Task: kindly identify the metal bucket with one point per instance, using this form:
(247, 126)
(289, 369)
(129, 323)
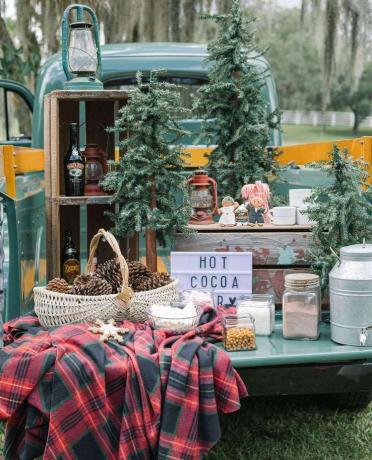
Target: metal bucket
(350, 286)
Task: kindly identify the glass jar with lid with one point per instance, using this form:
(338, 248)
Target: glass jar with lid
(198, 297)
(262, 308)
(239, 332)
(301, 306)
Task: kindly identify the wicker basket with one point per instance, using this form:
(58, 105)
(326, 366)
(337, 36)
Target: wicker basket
(136, 310)
(56, 309)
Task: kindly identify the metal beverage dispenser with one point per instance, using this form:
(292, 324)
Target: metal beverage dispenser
(350, 286)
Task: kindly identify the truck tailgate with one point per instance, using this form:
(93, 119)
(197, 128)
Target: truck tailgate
(297, 367)
(277, 351)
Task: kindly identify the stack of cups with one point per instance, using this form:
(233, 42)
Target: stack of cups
(283, 215)
(297, 199)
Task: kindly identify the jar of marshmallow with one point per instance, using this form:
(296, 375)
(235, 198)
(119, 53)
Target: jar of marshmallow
(198, 297)
(177, 316)
(262, 308)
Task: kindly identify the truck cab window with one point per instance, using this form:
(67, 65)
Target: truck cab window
(3, 135)
(18, 115)
(190, 85)
(15, 116)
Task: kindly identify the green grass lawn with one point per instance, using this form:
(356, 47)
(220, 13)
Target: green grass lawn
(301, 134)
(293, 428)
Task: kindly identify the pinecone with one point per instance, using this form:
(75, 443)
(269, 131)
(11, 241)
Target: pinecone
(137, 274)
(110, 271)
(98, 285)
(79, 284)
(154, 281)
(58, 285)
(91, 284)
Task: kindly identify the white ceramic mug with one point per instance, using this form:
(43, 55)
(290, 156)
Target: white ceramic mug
(297, 197)
(302, 217)
(283, 215)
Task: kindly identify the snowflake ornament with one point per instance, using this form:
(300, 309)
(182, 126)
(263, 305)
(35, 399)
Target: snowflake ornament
(109, 331)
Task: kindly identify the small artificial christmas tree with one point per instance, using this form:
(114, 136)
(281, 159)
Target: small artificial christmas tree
(342, 211)
(149, 176)
(236, 114)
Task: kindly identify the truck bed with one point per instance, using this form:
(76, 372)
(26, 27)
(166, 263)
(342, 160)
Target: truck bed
(298, 367)
(276, 351)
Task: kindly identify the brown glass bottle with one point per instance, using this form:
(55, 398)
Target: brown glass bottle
(70, 260)
(74, 165)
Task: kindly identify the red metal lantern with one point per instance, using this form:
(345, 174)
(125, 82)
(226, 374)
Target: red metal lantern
(95, 168)
(203, 202)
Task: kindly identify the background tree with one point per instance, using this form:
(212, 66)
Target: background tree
(292, 54)
(12, 65)
(36, 25)
(233, 100)
(342, 34)
(309, 47)
(145, 186)
(342, 211)
(358, 99)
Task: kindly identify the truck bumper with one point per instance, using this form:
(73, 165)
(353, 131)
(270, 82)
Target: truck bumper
(344, 377)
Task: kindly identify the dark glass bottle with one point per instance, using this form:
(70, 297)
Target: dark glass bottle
(74, 165)
(70, 260)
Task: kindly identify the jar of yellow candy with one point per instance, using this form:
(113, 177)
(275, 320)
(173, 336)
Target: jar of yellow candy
(239, 332)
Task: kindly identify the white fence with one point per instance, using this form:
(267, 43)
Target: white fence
(316, 118)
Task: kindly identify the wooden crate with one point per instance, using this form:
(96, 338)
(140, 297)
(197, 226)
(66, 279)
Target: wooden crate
(94, 111)
(275, 250)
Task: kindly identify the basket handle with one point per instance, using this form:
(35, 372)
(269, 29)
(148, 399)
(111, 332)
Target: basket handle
(126, 291)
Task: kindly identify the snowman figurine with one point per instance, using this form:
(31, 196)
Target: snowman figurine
(241, 215)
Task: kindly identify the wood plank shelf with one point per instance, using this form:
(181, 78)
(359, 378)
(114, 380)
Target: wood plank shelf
(266, 227)
(276, 250)
(269, 249)
(81, 200)
(106, 94)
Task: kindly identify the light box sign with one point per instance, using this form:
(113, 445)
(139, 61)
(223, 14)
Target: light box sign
(227, 274)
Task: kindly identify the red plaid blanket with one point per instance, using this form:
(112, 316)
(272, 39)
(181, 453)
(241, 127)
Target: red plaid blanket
(66, 395)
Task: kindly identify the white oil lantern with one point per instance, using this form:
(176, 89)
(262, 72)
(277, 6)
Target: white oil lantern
(81, 54)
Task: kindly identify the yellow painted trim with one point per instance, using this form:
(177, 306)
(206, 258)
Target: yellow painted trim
(161, 265)
(300, 154)
(360, 147)
(19, 160)
(306, 153)
(9, 167)
(160, 262)
(29, 160)
(366, 147)
(195, 157)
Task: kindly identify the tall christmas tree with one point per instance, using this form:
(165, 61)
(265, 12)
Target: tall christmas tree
(342, 211)
(149, 176)
(236, 115)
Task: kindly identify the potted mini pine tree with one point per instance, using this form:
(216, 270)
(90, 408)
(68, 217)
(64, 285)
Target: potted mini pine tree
(342, 211)
(148, 178)
(236, 116)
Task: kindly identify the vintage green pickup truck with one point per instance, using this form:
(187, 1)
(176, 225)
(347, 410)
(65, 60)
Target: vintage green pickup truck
(277, 366)
(22, 126)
